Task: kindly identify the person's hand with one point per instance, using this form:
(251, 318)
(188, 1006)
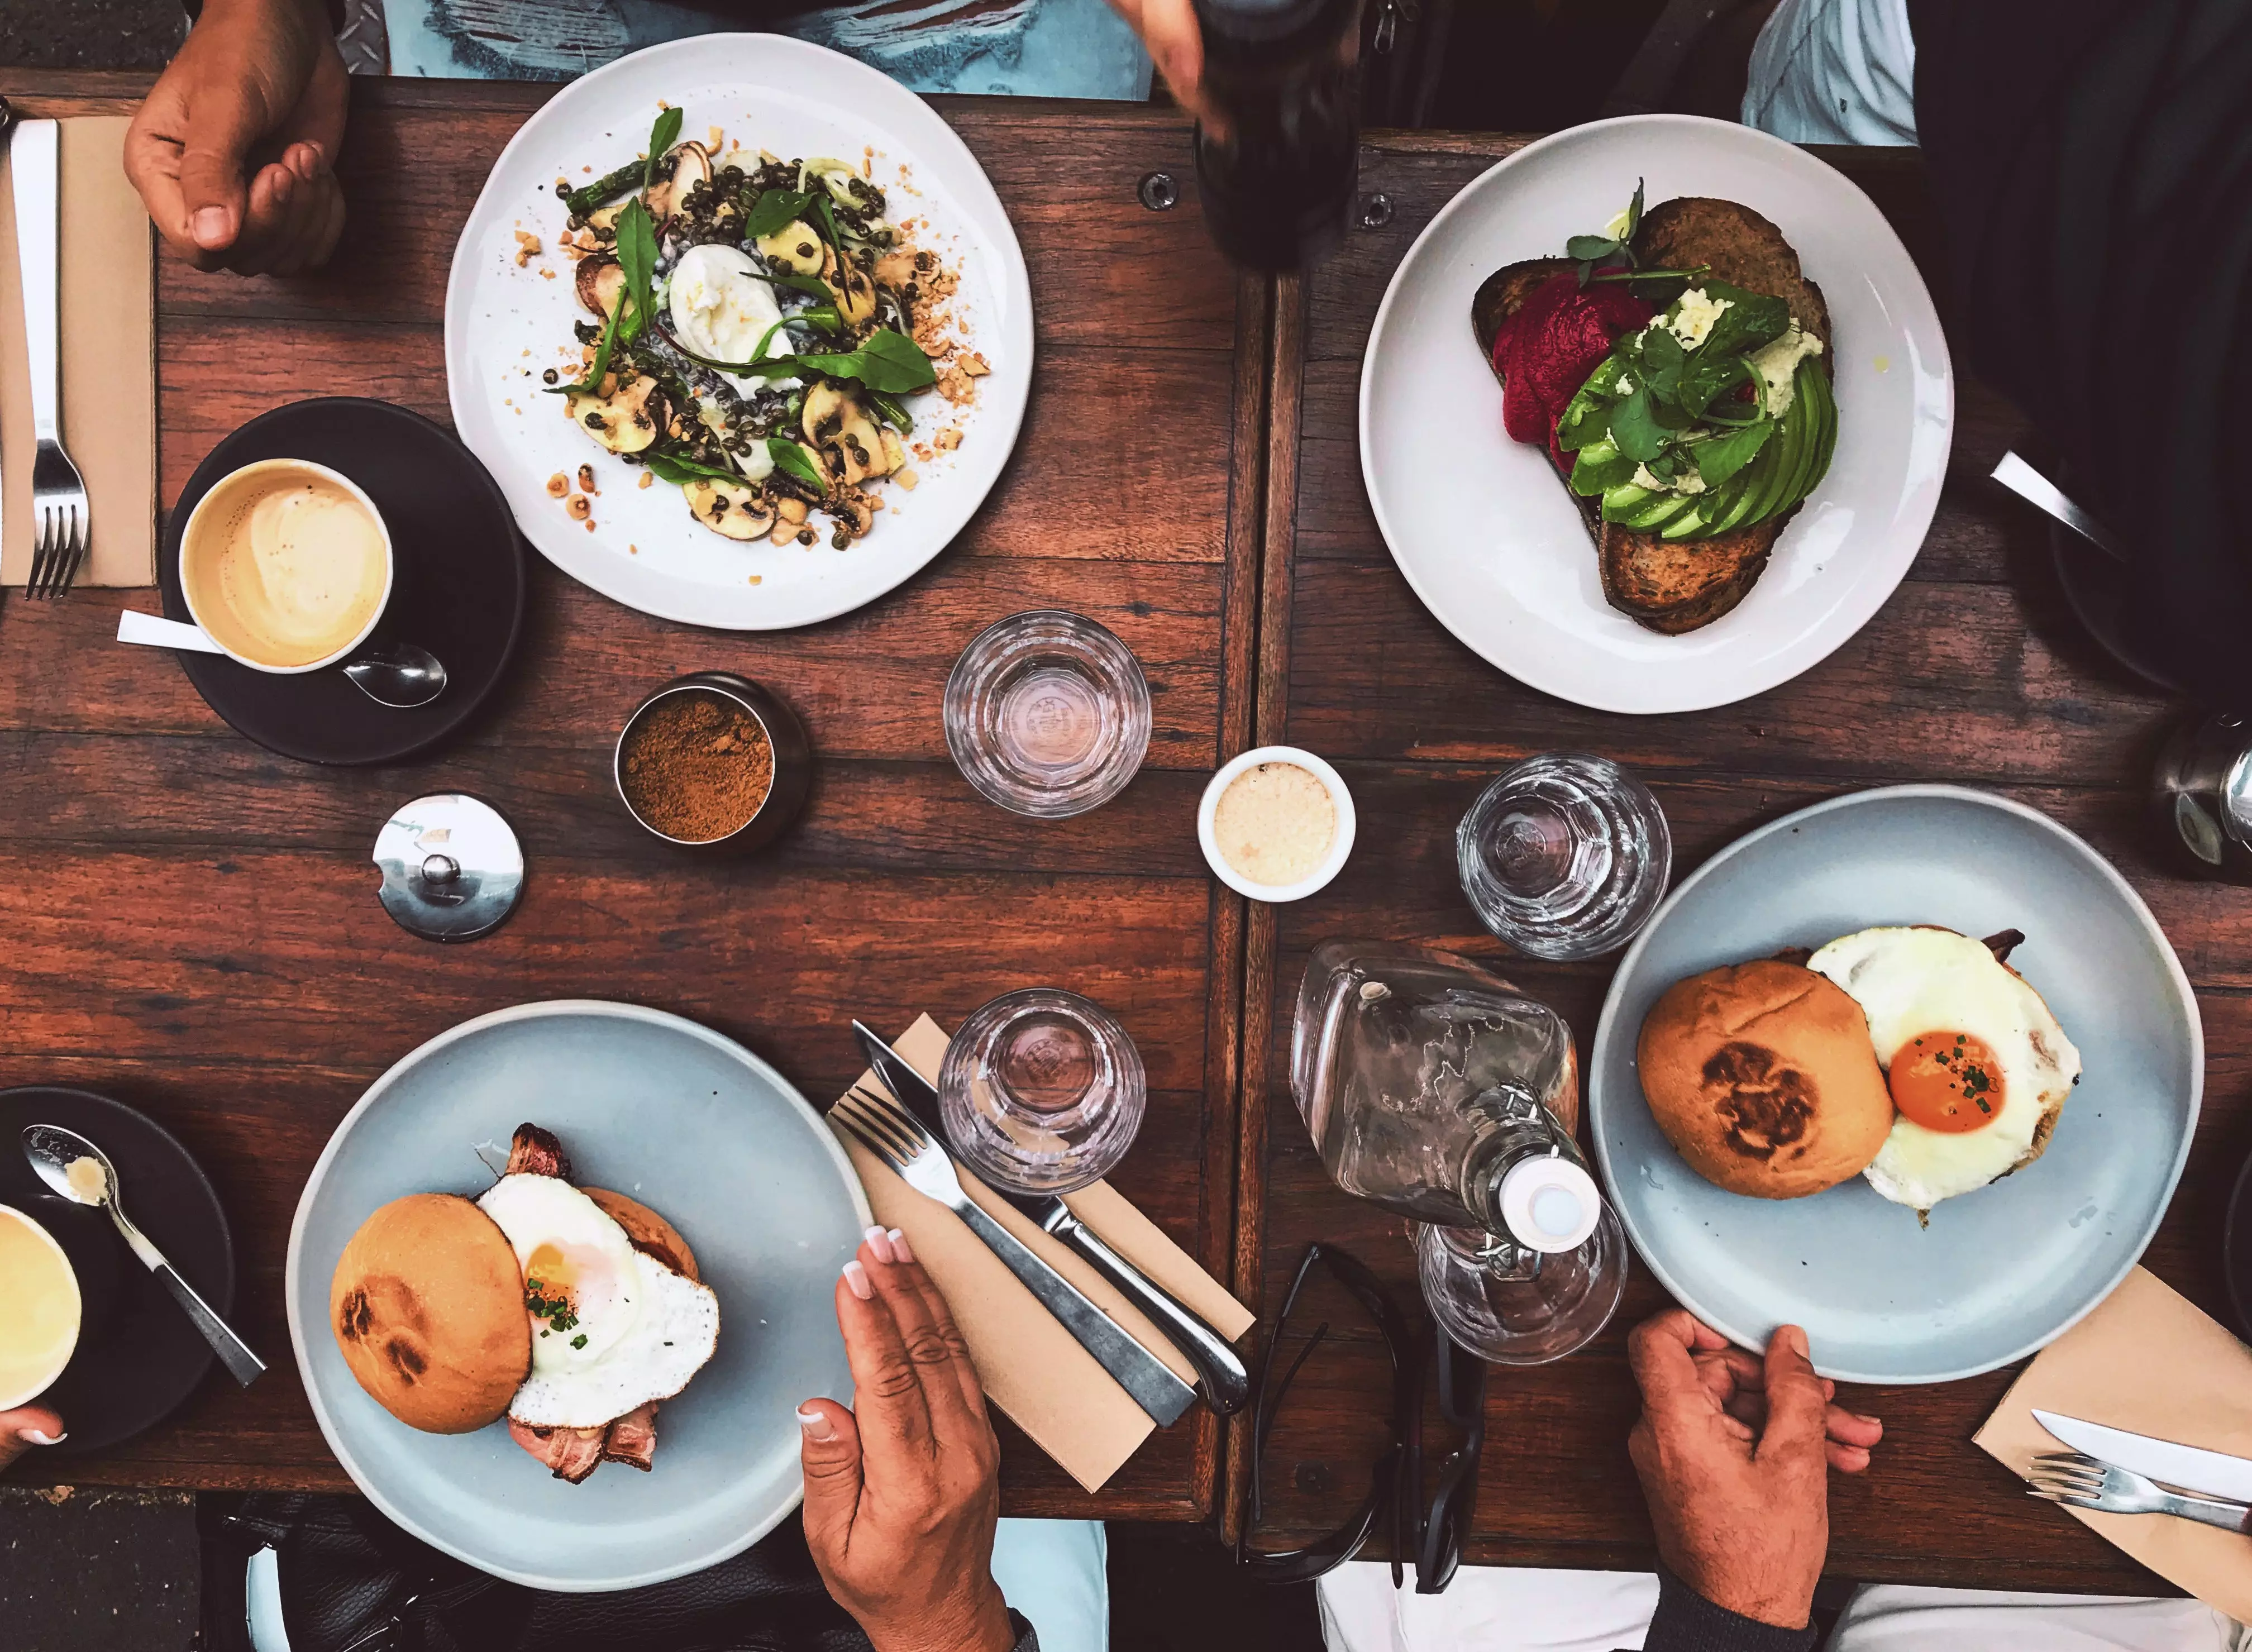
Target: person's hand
(24, 1427)
(1169, 34)
(234, 150)
(1731, 1452)
(900, 1500)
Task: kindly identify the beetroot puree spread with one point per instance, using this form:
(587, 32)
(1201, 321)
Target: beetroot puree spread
(1544, 353)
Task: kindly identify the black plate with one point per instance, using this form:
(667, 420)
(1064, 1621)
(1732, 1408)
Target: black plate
(458, 591)
(138, 1356)
(2236, 1251)
(2096, 585)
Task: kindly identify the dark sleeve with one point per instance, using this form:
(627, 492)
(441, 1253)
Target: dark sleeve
(1028, 1638)
(2090, 161)
(1686, 1621)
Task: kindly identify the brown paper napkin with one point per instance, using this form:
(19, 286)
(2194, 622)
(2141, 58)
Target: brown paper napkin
(2146, 1360)
(1032, 1367)
(108, 361)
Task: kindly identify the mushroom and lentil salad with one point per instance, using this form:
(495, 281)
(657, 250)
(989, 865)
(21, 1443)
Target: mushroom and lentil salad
(756, 326)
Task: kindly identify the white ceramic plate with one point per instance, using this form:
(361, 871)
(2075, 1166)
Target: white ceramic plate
(1487, 535)
(505, 324)
(2000, 1272)
(710, 1138)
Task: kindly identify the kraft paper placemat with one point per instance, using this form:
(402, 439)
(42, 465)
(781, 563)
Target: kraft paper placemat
(109, 320)
(2146, 1360)
(1031, 1366)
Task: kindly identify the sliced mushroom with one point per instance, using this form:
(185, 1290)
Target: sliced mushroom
(733, 509)
(626, 419)
(852, 448)
(602, 281)
(896, 269)
(605, 219)
(856, 294)
(691, 164)
(794, 247)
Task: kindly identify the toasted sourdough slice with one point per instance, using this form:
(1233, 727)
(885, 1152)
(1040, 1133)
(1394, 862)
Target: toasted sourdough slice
(1675, 586)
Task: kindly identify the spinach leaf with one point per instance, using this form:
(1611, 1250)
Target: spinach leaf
(1751, 320)
(795, 461)
(1635, 427)
(775, 209)
(679, 471)
(887, 361)
(1723, 456)
(810, 284)
(637, 257)
(1661, 358)
(662, 137)
(1709, 392)
(600, 365)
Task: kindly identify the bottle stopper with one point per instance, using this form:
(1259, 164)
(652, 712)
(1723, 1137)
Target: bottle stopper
(1550, 1203)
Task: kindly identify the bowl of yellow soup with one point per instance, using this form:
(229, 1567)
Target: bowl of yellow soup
(39, 1309)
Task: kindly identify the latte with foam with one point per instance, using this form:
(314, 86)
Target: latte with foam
(39, 1309)
(286, 564)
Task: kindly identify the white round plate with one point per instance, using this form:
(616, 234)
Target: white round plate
(711, 1138)
(1487, 535)
(505, 324)
(2000, 1272)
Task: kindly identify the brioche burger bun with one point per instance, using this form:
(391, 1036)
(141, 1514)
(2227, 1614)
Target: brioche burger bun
(1763, 1078)
(426, 1306)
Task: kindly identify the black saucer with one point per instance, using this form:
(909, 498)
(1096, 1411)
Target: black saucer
(459, 589)
(2236, 1251)
(138, 1356)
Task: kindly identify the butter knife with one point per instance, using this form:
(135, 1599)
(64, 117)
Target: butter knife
(1220, 1371)
(2192, 1468)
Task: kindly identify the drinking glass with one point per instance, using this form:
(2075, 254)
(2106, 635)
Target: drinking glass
(1565, 857)
(1042, 1091)
(1046, 714)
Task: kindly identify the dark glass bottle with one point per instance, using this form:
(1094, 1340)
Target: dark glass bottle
(1278, 161)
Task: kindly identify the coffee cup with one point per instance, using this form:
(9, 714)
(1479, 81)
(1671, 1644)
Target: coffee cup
(286, 564)
(40, 1309)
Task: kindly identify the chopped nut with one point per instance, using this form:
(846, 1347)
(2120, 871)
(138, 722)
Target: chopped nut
(974, 365)
(711, 139)
(908, 480)
(949, 438)
(527, 248)
(633, 550)
(646, 478)
(756, 579)
(586, 479)
(590, 526)
(579, 506)
(558, 485)
(546, 275)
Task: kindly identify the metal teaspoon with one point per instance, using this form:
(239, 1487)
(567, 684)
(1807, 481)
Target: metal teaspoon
(53, 1151)
(398, 675)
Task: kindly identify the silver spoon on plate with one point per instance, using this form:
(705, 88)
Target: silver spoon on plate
(82, 1173)
(398, 675)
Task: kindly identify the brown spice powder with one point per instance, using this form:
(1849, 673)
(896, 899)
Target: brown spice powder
(697, 767)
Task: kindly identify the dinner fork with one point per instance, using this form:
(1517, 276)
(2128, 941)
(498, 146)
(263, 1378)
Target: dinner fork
(2081, 1481)
(62, 519)
(892, 1133)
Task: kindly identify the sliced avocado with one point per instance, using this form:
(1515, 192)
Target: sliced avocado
(1820, 417)
(1828, 445)
(1691, 524)
(1661, 510)
(1739, 492)
(1620, 500)
(1779, 463)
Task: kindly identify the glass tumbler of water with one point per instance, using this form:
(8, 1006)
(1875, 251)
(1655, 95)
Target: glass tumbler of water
(1042, 1091)
(1512, 1304)
(1565, 857)
(1047, 713)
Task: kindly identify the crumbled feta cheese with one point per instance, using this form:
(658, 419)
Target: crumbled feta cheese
(1687, 483)
(1778, 366)
(1695, 315)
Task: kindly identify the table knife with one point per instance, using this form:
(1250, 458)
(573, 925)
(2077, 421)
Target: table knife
(2192, 1468)
(1226, 1384)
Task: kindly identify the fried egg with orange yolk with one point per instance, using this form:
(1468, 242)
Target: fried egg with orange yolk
(1977, 1066)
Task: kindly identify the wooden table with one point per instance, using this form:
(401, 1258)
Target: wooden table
(195, 926)
(1973, 672)
(192, 922)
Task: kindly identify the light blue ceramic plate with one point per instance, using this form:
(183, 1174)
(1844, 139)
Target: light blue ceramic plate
(703, 1132)
(2000, 1272)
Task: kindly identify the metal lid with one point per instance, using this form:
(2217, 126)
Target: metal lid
(452, 869)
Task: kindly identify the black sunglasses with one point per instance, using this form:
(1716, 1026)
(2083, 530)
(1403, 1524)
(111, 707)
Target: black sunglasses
(1432, 1534)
